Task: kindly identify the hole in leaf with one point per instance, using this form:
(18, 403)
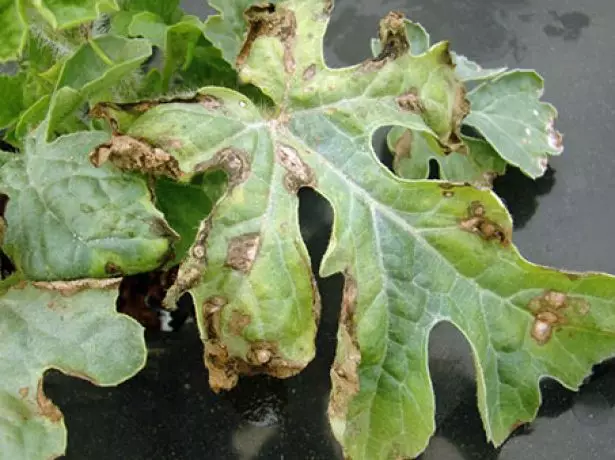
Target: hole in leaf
(457, 418)
(379, 144)
(520, 193)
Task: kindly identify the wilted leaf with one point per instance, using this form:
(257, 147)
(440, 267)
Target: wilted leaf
(413, 253)
(507, 111)
(13, 30)
(72, 327)
(81, 221)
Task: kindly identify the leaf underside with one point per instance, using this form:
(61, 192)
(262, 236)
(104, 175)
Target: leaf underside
(413, 253)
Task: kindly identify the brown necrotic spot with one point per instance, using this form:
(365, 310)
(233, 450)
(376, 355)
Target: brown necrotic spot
(551, 310)
(208, 101)
(130, 154)
(238, 322)
(242, 251)
(309, 72)
(410, 102)
(299, 174)
(344, 373)
(267, 20)
(233, 161)
(478, 223)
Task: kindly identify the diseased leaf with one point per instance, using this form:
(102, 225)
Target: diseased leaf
(477, 164)
(507, 111)
(228, 30)
(91, 72)
(413, 253)
(72, 327)
(13, 31)
(81, 221)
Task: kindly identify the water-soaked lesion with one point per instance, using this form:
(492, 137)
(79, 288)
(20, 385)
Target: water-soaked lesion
(551, 310)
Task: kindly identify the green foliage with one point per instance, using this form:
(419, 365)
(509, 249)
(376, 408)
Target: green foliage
(128, 164)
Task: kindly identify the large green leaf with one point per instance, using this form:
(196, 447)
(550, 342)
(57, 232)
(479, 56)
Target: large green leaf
(507, 111)
(414, 253)
(67, 219)
(72, 327)
(13, 35)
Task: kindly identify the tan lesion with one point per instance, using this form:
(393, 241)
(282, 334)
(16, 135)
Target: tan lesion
(551, 310)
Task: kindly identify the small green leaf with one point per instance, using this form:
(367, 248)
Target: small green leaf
(477, 163)
(12, 98)
(91, 72)
(72, 327)
(508, 112)
(64, 14)
(168, 10)
(82, 221)
(13, 31)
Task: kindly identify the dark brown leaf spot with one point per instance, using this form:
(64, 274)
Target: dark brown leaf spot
(112, 269)
(309, 72)
(477, 222)
(344, 374)
(410, 102)
(550, 311)
(299, 173)
(268, 21)
(242, 251)
(130, 154)
(233, 161)
(392, 34)
(209, 102)
(239, 321)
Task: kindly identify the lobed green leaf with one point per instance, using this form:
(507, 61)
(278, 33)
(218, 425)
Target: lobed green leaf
(72, 327)
(68, 220)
